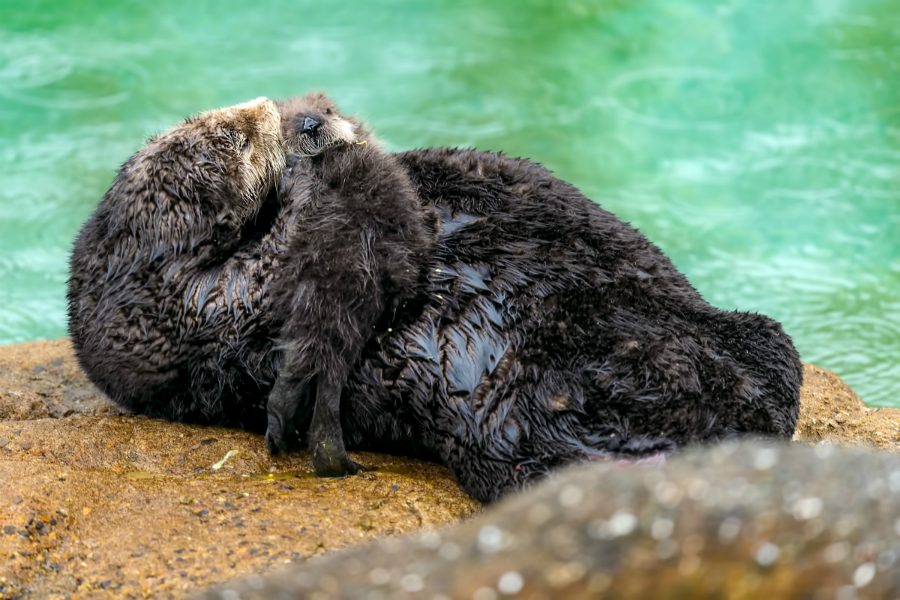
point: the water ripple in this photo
(861, 37)
(36, 73)
(694, 98)
(801, 178)
(44, 319)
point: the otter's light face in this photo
(215, 167)
(312, 124)
(244, 143)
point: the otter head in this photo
(312, 124)
(202, 180)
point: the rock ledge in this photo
(95, 503)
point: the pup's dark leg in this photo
(326, 438)
(320, 343)
(295, 398)
(289, 408)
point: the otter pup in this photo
(362, 252)
(168, 276)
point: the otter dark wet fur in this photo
(362, 251)
(168, 276)
(546, 332)
(550, 332)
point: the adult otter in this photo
(547, 332)
(362, 251)
(169, 274)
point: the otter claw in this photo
(331, 464)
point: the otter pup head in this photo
(202, 180)
(312, 124)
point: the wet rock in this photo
(30, 389)
(125, 520)
(734, 521)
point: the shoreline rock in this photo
(831, 411)
(98, 503)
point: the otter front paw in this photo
(331, 461)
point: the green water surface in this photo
(756, 141)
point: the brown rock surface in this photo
(831, 411)
(42, 379)
(95, 503)
(104, 505)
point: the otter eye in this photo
(246, 145)
(327, 111)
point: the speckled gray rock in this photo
(735, 521)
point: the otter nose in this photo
(308, 124)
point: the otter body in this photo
(361, 251)
(546, 331)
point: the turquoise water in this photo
(756, 141)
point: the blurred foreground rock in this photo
(736, 521)
(97, 504)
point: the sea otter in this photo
(550, 332)
(546, 332)
(362, 251)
